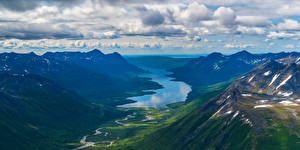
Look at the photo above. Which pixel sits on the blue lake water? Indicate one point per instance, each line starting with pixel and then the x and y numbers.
pixel 173 91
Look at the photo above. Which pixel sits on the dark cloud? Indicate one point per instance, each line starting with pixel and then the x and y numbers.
pixel 19 5
pixel 153 18
pixel 122 2
pixel 161 32
pixel 35 31
pixel 24 5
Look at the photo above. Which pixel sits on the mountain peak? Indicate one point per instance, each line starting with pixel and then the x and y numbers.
pixel 32 54
pixel 95 52
pixel 242 53
pixel 215 54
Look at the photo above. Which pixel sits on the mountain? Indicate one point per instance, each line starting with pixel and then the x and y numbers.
pixel 258 111
pixel 113 64
pixel 36 113
pixel 94 86
pixel 217 67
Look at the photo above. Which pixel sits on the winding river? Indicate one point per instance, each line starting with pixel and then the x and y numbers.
pixel 172 91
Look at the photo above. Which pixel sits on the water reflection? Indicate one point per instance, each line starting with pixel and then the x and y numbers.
pixel 173 91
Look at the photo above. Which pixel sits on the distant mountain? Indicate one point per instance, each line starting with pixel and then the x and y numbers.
pixel 94 86
pixel 217 67
pixel 113 64
pixel 36 113
pixel 160 62
pixel 258 111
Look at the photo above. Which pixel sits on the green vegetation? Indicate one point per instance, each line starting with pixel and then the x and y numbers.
pixel 36 113
pixel 148 121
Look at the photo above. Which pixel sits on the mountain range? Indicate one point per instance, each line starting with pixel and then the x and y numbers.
pixel 217 67
pixel 97 83
pixel 113 64
pixel 47 102
pixel 260 110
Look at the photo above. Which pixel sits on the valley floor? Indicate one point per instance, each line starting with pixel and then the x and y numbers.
pixel 126 131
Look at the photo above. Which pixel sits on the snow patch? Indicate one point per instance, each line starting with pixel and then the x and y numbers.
pixel 247 121
pixel 285 94
pixel 246 95
pixel 235 114
pixel 216 67
pixel 262 106
pixel 267 73
pixel 274 79
pixel 297 61
pixel 250 79
pixel 262 101
pixel 215 114
pixel 242 77
pixel 284 82
pixel 288 103
pixel 228 112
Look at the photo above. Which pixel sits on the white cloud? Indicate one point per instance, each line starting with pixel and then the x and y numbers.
pixel 282 34
pixel 238 45
pixel 289 24
pixel 196 12
pixel 253 20
pixel 225 16
pixel 289 46
pixel 186 21
pixel 250 30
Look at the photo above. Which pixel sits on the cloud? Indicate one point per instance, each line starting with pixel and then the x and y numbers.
pixel 289 24
pixel 181 23
pixel 24 5
pixel 251 30
pixel 253 20
pixel 289 46
pixel 18 30
pixel 238 45
pixel 195 13
pixel 225 16
pixel 153 18
pixel 283 34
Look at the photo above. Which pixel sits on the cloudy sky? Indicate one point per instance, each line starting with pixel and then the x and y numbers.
pixel 150 26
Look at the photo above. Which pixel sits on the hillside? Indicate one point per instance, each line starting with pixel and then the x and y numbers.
pixel 36 113
pixel 91 84
pixel 217 67
pixel 258 111
pixel 112 64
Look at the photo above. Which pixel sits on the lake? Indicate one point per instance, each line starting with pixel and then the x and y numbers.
pixel 172 91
